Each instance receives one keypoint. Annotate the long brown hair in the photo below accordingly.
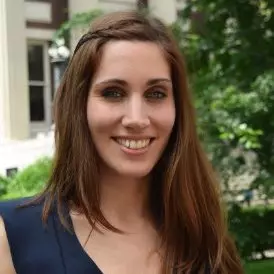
(185, 198)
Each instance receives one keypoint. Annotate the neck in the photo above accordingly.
(124, 201)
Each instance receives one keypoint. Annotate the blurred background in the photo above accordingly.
(229, 50)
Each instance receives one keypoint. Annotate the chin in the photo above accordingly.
(127, 169)
(134, 172)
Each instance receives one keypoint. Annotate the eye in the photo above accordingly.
(112, 93)
(156, 94)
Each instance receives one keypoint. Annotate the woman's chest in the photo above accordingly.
(122, 254)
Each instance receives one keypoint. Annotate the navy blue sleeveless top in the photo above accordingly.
(43, 249)
(37, 248)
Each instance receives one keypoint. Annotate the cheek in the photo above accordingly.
(100, 118)
(165, 119)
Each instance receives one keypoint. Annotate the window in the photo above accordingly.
(10, 172)
(36, 83)
(40, 98)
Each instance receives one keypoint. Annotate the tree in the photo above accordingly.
(79, 20)
(229, 48)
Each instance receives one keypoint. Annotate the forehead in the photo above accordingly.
(132, 60)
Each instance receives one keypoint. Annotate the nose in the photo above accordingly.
(136, 116)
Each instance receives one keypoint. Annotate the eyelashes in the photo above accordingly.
(157, 95)
(116, 94)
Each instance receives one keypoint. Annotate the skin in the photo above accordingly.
(6, 266)
(138, 104)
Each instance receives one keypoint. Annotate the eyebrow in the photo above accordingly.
(122, 82)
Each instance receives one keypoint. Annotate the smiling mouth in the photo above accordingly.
(134, 144)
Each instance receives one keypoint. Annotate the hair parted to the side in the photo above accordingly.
(185, 198)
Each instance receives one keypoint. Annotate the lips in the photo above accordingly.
(133, 143)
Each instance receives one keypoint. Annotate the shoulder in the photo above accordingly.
(22, 232)
(13, 211)
(20, 215)
(9, 206)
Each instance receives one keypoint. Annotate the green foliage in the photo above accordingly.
(79, 20)
(260, 267)
(229, 51)
(29, 181)
(265, 185)
(4, 182)
(229, 32)
(253, 229)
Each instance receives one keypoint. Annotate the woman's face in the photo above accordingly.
(130, 109)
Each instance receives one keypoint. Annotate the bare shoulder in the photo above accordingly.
(6, 266)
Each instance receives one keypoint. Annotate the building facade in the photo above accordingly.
(26, 72)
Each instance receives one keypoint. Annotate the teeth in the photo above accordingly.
(133, 144)
(126, 143)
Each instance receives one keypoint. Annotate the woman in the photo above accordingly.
(131, 190)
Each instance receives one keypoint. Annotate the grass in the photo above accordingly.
(260, 267)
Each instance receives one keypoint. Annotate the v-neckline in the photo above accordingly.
(74, 251)
(72, 246)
